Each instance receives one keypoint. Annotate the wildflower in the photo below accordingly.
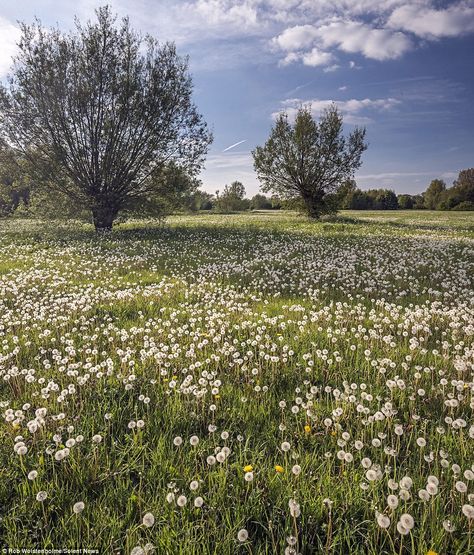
(32, 475)
(181, 501)
(177, 441)
(468, 511)
(248, 476)
(78, 507)
(285, 446)
(193, 486)
(296, 469)
(392, 501)
(242, 535)
(383, 521)
(307, 429)
(248, 468)
(407, 521)
(198, 502)
(148, 520)
(295, 510)
(41, 496)
(279, 469)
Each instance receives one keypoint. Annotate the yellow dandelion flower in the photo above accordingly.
(248, 468)
(431, 552)
(279, 469)
(307, 429)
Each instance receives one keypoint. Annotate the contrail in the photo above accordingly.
(234, 145)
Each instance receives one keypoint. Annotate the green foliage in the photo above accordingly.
(309, 160)
(100, 113)
(405, 202)
(434, 194)
(232, 198)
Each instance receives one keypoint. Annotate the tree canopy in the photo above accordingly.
(308, 159)
(101, 113)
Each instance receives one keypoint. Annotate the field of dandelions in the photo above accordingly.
(240, 384)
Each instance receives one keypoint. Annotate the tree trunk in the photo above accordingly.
(103, 217)
(314, 206)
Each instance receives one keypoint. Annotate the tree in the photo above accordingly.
(405, 202)
(14, 186)
(101, 113)
(260, 202)
(433, 195)
(233, 198)
(309, 160)
(385, 199)
(464, 185)
(345, 193)
(201, 200)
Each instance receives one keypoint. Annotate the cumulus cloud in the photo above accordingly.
(382, 30)
(357, 37)
(297, 37)
(316, 57)
(9, 35)
(428, 23)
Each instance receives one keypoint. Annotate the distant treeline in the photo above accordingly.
(18, 195)
(460, 196)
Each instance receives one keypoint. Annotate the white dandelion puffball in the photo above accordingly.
(193, 486)
(178, 441)
(97, 438)
(248, 476)
(194, 440)
(148, 520)
(392, 501)
(468, 510)
(78, 507)
(198, 502)
(137, 551)
(296, 469)
(285, 446)
(242, 535)
(181, 501)
(41, 496)
(32, 475)
(383, 521)
(407, 521)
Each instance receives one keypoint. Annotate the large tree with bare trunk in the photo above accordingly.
(101, 113)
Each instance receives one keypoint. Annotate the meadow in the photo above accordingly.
(252, 383)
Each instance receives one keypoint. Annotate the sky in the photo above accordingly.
(403, 69)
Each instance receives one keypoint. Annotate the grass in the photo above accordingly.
(349, 340)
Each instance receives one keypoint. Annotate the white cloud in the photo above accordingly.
(9, 35)
(317, 57)
(357, 37)
(427, 22)
(222, 12)
(295, 38)
(351, 109)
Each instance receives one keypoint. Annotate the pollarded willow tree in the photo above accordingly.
(101, 113)
(309, 160)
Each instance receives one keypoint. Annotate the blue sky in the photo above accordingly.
(404, 69)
